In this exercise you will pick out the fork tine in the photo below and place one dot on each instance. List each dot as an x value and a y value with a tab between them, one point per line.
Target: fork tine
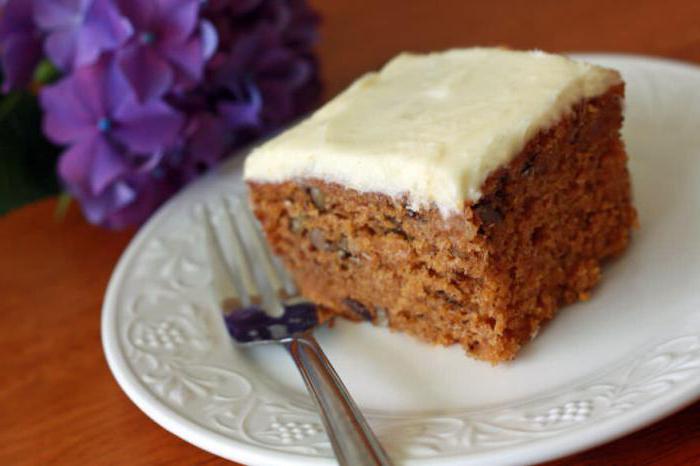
224	282
290	287
280	278
270	279
241	259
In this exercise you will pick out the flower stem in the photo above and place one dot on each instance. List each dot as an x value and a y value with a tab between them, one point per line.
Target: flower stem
64	200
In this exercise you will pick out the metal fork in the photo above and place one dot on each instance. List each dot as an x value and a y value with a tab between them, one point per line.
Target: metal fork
245	291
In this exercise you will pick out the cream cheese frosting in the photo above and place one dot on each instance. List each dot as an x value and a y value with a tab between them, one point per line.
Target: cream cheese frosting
431	127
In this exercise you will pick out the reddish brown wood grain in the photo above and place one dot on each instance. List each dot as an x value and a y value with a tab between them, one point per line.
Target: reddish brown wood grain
58	402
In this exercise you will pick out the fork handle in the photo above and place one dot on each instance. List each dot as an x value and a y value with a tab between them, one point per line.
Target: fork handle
353	441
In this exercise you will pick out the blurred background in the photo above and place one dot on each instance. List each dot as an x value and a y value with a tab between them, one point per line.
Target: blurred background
360	36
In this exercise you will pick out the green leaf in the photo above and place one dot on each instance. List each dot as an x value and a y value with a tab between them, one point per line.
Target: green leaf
46	73
27	159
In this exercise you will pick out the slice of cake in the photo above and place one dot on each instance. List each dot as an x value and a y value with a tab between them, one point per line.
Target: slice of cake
461	197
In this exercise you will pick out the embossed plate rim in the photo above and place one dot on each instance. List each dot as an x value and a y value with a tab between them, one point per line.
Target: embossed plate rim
566	440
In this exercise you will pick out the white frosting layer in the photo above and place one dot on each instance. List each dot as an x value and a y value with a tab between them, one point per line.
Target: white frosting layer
431	126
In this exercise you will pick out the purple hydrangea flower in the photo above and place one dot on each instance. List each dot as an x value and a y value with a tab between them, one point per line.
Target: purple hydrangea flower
169	47
242	109
20	44
276	71
107	129
129	200
167	88
269	44
79	31
206	141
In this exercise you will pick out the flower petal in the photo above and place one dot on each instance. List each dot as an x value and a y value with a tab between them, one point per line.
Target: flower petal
283	67
210	39
116	88
104	29
67	120
247	48
123	194
147	194
20	57
177	19
107	165
89	169
100	209
92	85
242	114
207	144
16	18
62	21
61	47
147	128
74	164
188	57
140	12
149	75
58	14
20	46
280	107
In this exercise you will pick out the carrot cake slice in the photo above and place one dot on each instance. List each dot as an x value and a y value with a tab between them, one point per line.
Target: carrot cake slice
461	197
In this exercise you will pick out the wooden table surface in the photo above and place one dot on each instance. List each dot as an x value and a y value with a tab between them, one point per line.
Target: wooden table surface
58	402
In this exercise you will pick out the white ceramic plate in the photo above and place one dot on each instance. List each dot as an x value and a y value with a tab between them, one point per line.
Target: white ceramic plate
601	369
